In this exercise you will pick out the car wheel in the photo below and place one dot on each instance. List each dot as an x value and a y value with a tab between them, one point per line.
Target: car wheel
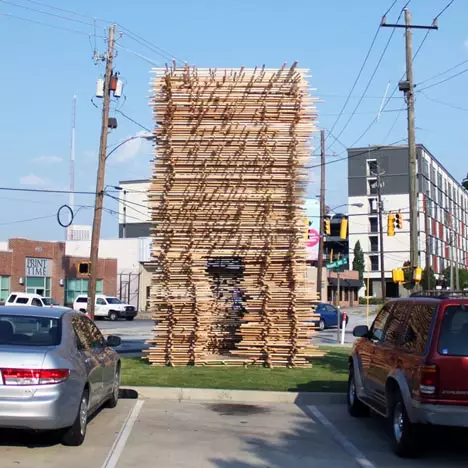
113	400
321	325
406	436
113	316
129	318
75	435
356	407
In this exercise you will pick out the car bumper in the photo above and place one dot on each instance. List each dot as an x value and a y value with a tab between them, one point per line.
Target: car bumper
128	313
441	415
49	407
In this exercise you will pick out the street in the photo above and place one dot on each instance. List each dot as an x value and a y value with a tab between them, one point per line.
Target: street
170	434
134	334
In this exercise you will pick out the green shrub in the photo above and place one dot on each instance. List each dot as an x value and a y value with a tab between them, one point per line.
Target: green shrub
372	301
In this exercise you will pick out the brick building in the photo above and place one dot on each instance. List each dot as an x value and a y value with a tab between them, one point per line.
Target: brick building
44	268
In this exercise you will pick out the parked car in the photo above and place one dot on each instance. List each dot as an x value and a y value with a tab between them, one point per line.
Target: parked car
328	315
412	367
29	299
106	307
56	369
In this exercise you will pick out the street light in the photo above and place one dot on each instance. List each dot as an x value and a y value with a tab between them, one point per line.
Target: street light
98	203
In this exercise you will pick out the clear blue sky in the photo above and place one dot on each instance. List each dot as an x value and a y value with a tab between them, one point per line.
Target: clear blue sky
42	68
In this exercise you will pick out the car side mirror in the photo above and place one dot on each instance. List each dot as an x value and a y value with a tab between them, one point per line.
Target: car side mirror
113	341
361	331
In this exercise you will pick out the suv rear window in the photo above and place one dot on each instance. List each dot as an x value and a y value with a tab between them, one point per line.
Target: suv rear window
16	330
82	299
453	339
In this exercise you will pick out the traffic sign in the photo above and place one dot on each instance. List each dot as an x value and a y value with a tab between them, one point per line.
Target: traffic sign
337	263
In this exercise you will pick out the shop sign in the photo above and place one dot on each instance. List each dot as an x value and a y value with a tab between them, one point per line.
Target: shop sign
37	267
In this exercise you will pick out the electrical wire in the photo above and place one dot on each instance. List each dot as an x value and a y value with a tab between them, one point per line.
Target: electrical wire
127	203
369	82
133	120
136	54
28	220
438	101
77	192
24	7
75	31
53	7
445	80
442	73
443	10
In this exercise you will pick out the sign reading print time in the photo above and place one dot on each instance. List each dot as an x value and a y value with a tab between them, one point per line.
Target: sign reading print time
37	267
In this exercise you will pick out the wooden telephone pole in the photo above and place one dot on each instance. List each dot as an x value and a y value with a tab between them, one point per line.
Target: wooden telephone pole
407	87
322	215
96	234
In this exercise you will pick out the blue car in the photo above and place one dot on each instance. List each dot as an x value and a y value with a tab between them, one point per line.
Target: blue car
328	315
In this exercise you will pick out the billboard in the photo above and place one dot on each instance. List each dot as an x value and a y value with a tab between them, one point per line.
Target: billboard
312	213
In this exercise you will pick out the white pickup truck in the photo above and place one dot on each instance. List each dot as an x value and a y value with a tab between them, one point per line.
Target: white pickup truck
106	307
29	299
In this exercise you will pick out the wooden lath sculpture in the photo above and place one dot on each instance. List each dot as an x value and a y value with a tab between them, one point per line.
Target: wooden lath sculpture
228	184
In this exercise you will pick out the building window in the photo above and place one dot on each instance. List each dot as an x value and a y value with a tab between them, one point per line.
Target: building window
77	287
374	262
372	205
38	285
4	287
373	225
372	186
374	244
371	167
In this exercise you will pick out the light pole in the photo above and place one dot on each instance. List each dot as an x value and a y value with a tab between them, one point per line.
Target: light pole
95	237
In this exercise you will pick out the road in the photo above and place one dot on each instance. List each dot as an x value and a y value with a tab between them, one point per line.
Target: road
172	434
134	334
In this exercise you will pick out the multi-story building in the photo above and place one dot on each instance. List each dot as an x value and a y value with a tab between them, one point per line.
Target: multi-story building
442	206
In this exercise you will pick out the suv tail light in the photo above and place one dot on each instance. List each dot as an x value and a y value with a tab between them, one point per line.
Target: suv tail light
34	376
429	380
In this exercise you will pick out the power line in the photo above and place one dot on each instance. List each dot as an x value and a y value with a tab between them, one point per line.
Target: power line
443	10
442	73
127	203
75	31
55	15
438	101
369	82
136	54
76	192
133	121
445	80
64	10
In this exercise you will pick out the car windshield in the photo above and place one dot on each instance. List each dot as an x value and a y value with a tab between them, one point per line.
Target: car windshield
19	330
49	301
453	339
113	300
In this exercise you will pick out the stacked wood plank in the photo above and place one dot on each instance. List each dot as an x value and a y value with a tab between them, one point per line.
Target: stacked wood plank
228	183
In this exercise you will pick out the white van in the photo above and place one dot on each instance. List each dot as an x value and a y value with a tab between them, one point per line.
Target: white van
29	299
106	307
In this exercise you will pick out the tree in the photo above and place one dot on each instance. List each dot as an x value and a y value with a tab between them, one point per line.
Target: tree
463	274
358	262
431	284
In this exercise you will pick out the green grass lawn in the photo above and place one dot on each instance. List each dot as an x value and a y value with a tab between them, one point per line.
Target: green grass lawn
328	374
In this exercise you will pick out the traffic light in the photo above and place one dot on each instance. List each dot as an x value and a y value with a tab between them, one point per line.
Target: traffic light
418	272
399	220
398	275
344	228
327	226
84	268
391	225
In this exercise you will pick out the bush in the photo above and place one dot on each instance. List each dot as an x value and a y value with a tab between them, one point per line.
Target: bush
372	300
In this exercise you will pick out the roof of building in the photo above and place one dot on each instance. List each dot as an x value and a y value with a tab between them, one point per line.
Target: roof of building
134	181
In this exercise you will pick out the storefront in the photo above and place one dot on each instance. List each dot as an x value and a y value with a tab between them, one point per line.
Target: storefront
43	268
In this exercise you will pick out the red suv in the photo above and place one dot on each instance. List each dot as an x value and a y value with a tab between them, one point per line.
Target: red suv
412	366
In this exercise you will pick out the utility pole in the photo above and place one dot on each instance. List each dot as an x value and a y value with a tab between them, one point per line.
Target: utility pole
71	197
381	236
100	176
408	88
322	214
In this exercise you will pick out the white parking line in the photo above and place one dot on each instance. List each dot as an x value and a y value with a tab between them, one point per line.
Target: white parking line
122	437
341	439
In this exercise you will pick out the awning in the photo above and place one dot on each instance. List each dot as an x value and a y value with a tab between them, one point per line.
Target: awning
345	283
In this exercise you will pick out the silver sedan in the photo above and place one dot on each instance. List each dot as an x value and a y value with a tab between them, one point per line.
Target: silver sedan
56	369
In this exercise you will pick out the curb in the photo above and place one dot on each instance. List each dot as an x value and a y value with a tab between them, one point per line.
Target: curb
236	396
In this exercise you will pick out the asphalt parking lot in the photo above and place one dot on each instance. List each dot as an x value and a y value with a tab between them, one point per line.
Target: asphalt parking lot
170	434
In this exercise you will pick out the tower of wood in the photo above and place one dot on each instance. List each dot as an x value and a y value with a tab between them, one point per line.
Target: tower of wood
226	202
